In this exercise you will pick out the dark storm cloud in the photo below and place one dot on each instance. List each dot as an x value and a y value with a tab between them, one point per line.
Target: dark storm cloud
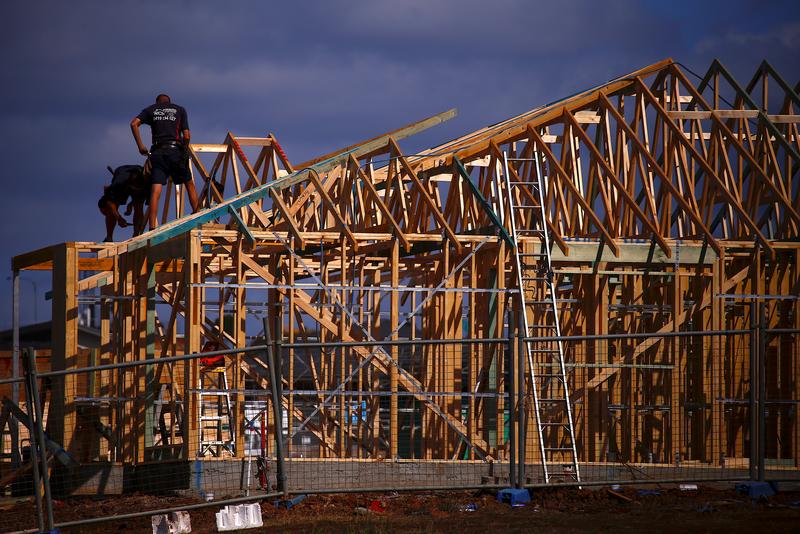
321	75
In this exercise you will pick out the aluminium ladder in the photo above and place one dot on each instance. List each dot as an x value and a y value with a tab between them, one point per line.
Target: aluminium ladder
214	407
539	305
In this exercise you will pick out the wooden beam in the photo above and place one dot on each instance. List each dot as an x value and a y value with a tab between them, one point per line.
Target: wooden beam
378	359
426	198
181	226
516	128
482	202
717	116
84	264
604	374
326	199
380	140
355	167
242	226
724	113
96	280
558	239
62	421
626	196
665	180
394	319
33	258
565	179
722	188
284	209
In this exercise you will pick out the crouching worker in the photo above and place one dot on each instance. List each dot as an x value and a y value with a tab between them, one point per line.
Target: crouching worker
128	182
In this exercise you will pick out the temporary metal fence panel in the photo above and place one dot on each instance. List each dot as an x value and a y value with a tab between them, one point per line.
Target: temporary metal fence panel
399	415
16	462
779	426
651	408
119	430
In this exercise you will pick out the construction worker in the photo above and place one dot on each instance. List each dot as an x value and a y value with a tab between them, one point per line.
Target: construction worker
129	181
169	153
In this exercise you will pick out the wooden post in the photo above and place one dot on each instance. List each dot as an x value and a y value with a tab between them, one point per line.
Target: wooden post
474	359
678	372
342	366
239	334
191	342
394	318
290	266
502	259
62	418
150	385
717	361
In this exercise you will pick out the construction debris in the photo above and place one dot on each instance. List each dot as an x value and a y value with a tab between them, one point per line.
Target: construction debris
238	517
171	523
619	496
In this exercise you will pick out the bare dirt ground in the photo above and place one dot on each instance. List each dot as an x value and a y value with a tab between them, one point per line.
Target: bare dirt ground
553	510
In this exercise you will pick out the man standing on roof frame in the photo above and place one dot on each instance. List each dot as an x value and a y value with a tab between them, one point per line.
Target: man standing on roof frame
169	153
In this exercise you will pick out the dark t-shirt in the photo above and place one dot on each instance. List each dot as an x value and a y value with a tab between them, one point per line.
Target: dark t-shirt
127	182
166	121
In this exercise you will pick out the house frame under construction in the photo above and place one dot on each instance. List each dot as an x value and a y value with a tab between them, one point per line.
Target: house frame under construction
670	204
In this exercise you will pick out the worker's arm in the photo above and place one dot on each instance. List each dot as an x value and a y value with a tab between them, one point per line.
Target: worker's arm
115	212
137	137
187	138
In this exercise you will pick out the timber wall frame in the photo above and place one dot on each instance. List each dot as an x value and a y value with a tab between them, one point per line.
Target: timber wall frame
664	196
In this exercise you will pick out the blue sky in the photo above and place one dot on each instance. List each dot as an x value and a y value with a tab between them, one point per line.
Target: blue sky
320	75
